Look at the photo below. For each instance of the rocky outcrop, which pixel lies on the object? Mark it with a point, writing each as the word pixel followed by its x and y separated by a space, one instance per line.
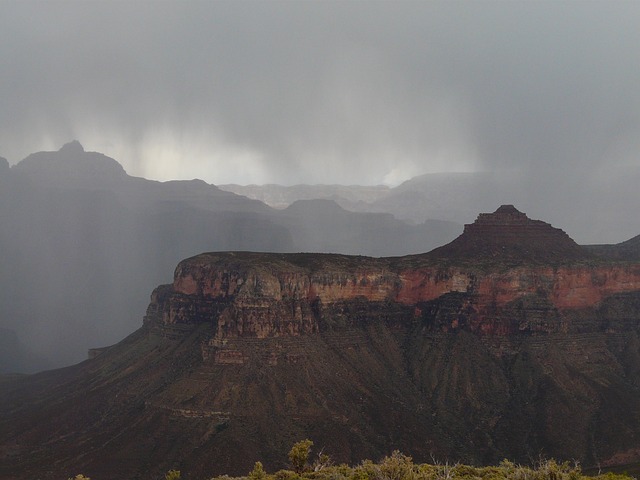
pixel 262 295
pixel 246 297
pixel 245 353
pixel 273 295
pixel 509 235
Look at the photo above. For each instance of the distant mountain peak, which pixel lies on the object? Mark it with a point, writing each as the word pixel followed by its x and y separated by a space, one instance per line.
pixel 510 234
pixel 73 146
pixel 71 165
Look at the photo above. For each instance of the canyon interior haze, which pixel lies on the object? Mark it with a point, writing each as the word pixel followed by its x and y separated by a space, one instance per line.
pixel 375 225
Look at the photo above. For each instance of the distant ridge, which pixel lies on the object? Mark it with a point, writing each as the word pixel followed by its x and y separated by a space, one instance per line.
pixel 352 197
pixel 71 165
pixel 509 234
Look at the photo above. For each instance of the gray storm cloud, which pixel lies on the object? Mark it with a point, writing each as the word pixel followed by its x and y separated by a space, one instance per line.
pixel 325 92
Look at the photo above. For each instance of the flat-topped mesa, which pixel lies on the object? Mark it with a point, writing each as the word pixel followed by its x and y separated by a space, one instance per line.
pixel 269 295
pixel 508 273
pixel 508 234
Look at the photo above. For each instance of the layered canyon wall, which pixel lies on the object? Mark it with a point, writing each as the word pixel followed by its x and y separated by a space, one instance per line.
pixel 264 295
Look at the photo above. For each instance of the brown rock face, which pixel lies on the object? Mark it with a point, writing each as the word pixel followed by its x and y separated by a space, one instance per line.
pixel 508 234
pixel 468 358
pixel 258 295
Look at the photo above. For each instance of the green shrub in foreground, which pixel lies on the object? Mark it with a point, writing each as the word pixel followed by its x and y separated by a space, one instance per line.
pixel 398 466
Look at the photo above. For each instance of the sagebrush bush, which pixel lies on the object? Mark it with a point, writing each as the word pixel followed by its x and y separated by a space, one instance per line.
pixel 299 455
pixel 398 466
pixel 172 475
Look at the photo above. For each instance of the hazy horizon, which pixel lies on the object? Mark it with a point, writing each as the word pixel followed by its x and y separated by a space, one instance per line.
pixel 169 179
pixel 326 92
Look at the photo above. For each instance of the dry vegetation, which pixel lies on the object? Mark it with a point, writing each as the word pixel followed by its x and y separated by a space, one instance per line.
pixel 398 466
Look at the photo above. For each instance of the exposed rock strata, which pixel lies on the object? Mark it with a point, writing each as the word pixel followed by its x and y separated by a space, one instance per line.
pixel 245 353
pixel 508 234
pixel 261 296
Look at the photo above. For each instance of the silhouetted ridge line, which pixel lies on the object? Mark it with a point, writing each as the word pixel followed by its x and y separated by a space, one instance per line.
pixel 71 165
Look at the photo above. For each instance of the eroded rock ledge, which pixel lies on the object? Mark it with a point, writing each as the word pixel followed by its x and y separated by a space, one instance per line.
pixel 244 295
pixel 263 295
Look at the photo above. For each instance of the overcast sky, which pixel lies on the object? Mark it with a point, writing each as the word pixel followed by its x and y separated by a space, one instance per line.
pixel 324 92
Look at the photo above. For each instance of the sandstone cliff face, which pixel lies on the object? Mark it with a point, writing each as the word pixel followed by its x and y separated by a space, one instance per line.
pixel 260 295
pixel 494 359
pixel 559 321
pixel 245 353
pixel 266 296
pixel 248 295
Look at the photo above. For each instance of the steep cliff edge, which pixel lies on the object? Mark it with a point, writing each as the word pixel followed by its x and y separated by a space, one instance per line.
pixel 472 358
pixel 270 295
